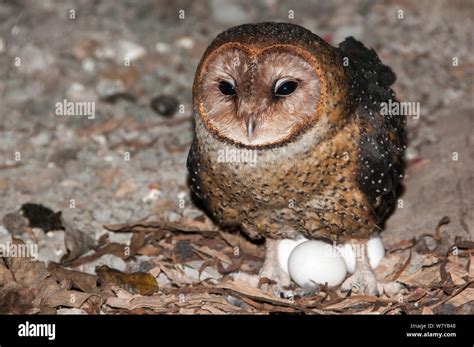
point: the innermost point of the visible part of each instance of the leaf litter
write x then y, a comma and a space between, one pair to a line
192, 267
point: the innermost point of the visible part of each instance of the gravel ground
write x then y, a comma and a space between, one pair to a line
135, 60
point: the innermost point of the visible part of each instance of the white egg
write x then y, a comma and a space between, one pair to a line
285, 247
375, 251
316, 262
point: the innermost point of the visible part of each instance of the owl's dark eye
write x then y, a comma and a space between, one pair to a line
227, 88
285, 88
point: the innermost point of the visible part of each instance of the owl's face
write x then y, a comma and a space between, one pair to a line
257, 96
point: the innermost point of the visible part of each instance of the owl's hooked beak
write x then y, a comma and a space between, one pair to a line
250, 123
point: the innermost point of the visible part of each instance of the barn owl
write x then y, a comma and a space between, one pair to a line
290, 141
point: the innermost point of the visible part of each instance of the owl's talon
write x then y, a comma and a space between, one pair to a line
364, 283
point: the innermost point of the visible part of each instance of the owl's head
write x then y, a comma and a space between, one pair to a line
263, 84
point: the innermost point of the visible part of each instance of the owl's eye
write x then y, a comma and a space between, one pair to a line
284, 87
227, 88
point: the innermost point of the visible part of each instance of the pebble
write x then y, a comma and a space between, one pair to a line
165, 105
107, 88
162, 47
185, 42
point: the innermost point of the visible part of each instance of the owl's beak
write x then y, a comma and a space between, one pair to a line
250, 127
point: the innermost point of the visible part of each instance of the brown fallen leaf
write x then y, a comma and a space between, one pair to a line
43, 287
456, 269
184, 225
425, 277
245, 246
213, 253
231, 268
117, 249
80, 280
16, 298
76, 241
402, 268
401, 245
465, 297
427, 310
138, 282
470, 267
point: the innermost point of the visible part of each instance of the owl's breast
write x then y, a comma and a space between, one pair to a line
303, 187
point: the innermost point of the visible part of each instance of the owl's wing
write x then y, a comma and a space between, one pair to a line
382, 135
193, 166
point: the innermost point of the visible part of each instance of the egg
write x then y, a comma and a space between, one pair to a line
314, 261
375, 251
285, 247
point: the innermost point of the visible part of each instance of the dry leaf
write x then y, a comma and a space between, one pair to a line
80, 280
76, 241
466, 296
138, 282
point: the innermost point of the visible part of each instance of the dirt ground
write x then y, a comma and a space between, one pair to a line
119, 178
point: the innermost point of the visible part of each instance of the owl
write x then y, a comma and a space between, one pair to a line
290, 141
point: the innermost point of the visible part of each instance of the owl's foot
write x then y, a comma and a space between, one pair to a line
363, 281
273, 271
367, 284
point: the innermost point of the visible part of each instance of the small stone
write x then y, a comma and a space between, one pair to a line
162, 47
63, 155
165, 105
163, 281
184, 250
88, 65
130, 50
185, 42
107, 88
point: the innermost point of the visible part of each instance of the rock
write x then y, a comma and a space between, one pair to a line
165, 105
163, 281
78, 92
63, 155
162, 47
121, 50
185, 42
130, 50
107, 88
